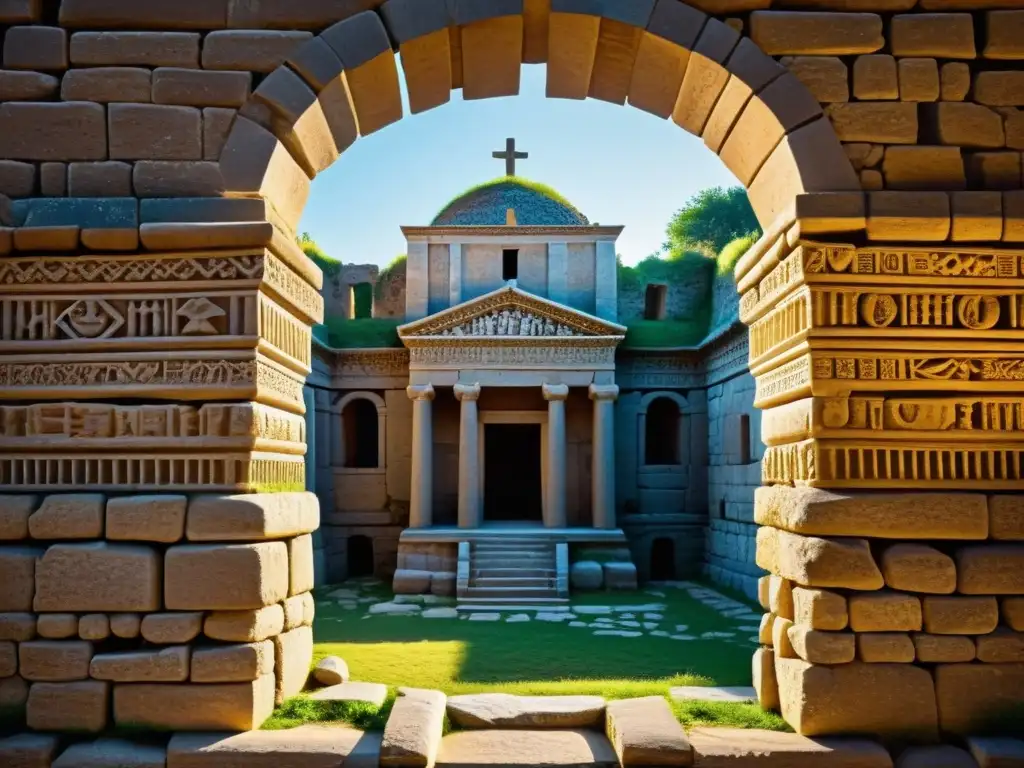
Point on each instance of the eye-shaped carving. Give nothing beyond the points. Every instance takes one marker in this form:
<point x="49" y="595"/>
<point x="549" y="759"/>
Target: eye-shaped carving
<point x="90" y="319"/>
<point x="878" y="311"/>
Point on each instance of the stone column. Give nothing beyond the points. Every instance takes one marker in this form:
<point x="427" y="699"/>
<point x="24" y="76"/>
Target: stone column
<point x="469" y="456"/>
<point x="421" y="491"/>
<point x="603" y="468"/>
<point x="556" y="395"/>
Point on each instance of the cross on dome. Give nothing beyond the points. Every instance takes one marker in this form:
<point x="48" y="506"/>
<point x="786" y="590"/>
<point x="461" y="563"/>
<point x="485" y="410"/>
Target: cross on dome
<point x="510" y="156"/>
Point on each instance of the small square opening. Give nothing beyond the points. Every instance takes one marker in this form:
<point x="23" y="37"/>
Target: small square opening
<point x="654" y="302"/>
<point x="510" y="264"/>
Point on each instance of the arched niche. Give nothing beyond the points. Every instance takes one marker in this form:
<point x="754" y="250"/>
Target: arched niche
<point x="362" y="421"/>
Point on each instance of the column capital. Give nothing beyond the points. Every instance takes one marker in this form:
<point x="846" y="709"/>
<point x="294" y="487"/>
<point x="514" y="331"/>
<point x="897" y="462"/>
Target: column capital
<point x="555" y="392"/>
<point x="420" y="392"/>
<point x="467" y="392"/>
<point x="604" y="392"/>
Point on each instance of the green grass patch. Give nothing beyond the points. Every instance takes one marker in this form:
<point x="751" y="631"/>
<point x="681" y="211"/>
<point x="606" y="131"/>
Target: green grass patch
<point x="720" y="714"/>
<point x="727" y="258"/>
<point x="302" y="710"/>
<point x="664" y="333"/>
<point x="366" y="333"/>
<point x="542" y="189"/>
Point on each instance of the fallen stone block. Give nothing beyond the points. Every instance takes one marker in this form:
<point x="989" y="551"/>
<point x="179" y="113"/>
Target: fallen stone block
<point x="146" y="518"/>
<point x="644" y="732"/>
<point x="413" y="732"/>
<point x="17" y="627"/>
<point x="885" y="612"/>
<point x="252" y="516"/>
<point x="997" y="752"/>
<point x="240" y="663"/>
<point x="1001" y="647"/>
<point x="818" y="512"/>
<point x="728" y="747"/>
<point x="98" y="577"/>
<point x="978" y="698"/>
<point x="112" y="753"/>
<point x="78" y="706"/>
<point x="993" y="569"/>
<point x="14" y="515"/>
<point x="225" y="576"/>
<point x="308" y="745"/>
<point x="885" y="648"/>
<point x="620" y="576"/>
<point x="919" y="568"/>
<point x="531" y="747"/>
<point x="957" y="615"/>
<point x="820" y="609"/>
<point x="245" y="626"/>
<point x="94" y="626"/>
<point x="171" y="628"/>
<point x="503" y="710"/>
<point x="18" y="575"/>
<point x="54" y="660"/>
<point x="28" y="750"/>
<point x="372" y="693"/>
<point x="165" y="665"/>
<point x="934" y="649"/>
<point x="894" y="700"/>
<point x="586" y="574"/>
<point x="185" y="707"/>
<point x="819" y="647"/>
<point x="293" y="656"/>
<point x="331" y="670"/>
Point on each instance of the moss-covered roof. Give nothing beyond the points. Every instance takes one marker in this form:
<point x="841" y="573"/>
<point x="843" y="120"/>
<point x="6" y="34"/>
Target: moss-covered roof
<point x="536" y="205"/>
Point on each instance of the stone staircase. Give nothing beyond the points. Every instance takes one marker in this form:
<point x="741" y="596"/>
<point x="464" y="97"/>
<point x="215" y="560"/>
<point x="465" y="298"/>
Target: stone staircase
<point x="497" y="574"/>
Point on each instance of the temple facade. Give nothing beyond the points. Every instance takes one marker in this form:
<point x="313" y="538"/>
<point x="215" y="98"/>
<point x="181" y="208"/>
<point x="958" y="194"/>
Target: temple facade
<point x="514" y="443"/>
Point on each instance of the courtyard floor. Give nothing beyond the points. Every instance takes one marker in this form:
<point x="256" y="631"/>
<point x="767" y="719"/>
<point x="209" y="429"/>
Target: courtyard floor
<point x="612" y="644"/>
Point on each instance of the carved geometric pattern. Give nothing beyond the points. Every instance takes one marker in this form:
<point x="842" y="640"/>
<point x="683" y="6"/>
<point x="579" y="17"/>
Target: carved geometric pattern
<point x="90" y="319"/>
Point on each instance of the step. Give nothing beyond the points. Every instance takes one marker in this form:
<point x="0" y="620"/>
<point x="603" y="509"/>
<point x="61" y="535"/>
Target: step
<point x="518" y="573"/>
<point x="512" y="581"/>
<point x="521" y="747"/>
<point x="556" y="604"/>
<point x="513" y="543"/>
<point x="514" y="592"/>
<point x="517" y="552"/>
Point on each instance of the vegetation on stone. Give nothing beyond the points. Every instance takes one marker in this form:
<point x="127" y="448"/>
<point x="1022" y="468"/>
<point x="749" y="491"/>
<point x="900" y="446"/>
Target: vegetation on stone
<point x="487" y="204"/>
<point x="302" y="710"/>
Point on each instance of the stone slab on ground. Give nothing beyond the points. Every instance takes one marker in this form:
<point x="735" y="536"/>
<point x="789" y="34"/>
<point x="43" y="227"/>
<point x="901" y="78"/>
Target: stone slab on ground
<point x="331" y="670"/>
<point x="309" y="746"/>
<point x="526" y="748"/>
<point x="738" y="694"/>
<point x="502" y="710"/>
<point x="414" y="729"/>
<point x="644" y="732"/>
<point x="374" y="693"/>
<point x="733" y="747"/>
<point x="112" y="753"/>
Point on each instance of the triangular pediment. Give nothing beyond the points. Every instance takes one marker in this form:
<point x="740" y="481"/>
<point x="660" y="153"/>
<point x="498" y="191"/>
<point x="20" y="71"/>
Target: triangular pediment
<point x="511" y="313"/>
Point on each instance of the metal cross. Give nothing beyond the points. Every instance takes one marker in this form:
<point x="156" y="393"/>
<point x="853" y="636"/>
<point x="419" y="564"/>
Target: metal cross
<point x="510" y="156"/>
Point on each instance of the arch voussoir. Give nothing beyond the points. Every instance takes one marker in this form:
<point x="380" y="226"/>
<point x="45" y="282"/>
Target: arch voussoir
<point x="662" y="57"/>
<point x="705" y="77"/>
<point x="423" y="30"/>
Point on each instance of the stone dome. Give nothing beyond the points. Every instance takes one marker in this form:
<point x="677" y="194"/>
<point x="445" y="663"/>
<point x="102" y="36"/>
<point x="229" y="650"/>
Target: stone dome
<point x="487" y="205"/>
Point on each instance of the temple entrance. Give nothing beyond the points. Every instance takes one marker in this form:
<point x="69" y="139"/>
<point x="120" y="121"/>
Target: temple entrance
<point x="512" y="473"/>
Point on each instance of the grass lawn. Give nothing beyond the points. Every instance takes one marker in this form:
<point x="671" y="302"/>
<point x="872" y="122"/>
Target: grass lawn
<point x="460" y="656"/>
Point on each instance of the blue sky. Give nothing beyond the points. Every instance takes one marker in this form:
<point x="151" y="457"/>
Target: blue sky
<point x="617" y="165"/>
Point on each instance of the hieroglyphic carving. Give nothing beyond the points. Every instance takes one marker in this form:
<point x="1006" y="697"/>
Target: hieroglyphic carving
<point x="48" y="273"/>
<point x="868" y="367"/>
<point x="293" y="289"/>
<point x="918" y="309"/>
<point x="785" y="382"/>
<point x="963" y="262"/>
<point x="158" y="472"/>
<point x="649" y="370"/>
<point x="285" y="332"/>
<point x="455" y="356"/>
<point x="782" y="328"/>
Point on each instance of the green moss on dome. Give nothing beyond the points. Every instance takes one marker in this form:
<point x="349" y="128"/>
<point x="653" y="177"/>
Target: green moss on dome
<point x="487" y="203"/>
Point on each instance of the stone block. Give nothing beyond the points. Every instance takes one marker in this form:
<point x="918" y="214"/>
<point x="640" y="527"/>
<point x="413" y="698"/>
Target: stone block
<point x="780" y="639"/>
<point x="98" y="577"/>
<point x="1013" y="612"/>
<point x="826" y="77"/>
<point x="155" y="14"/>
<point x="619" y="575"/>
<point x="27" y="86"/>
<point x="54" y="660"/>
<point x="53" y="179"/>
<point x="943" y="756"/>
<point x="724" y="747"/>
<point x="976" y="698"/>
<point x="897" y="700"/>
<point x="137" y="49"/>
<point x="820" y="647"/>
<point x="994" y="170"/>
<point x="965" y="124"/>
<point x="53" y="131"/>
<point x="885" y="612"/>
<point x="959" y="615"/>
<point x="995" y="569"/>
<point x="68" y="516"/>
<point x="881" y="122"/>
<point x="491" y="52"/>
<point x="885" y="647"/>
<point x="371" y="693"/>
<point x="644" y="732"/>
<point x="331" y="670"/>
<point x="923" y="167"/>
<point x="13" y="694"/>
<point x="914" y="216"/>
<point x="107" y="84"/>
<point x="586" y="575"/>
<point x="765" y="631"/>
<point x="410" y="582"/>
<point x="780" y="597"/>
<point x="1005" y="30"/>
<point x="294" y="610"/>
<point x="918" y="568"/>
<point x="200" y="88"/>
<point x="245" y="626"/>
<point x="109" y="179"/>
<point x="313" y="745"/>
<point x="17" y="626"/>
<point x="997" y="752"/>
<point x="155" y="132"/>
<point x="250" y="50"/>
<point x="318" y="64"/>
<point x="146" y="518"/>
<point x="225" y="576"/>
<point x="897" y="516"/>
<point x="252" y="517"/>
<point x="28" y="750"/>
<point x="818" y="562"/>
<point x="413" y="732"/>
<point x="57" y="626"/>
<point x="239" y="663"/>
<point x="94" y="626"/>
<point x="300" y="565"/>
<point x="217" y="124"/>
<point x="164" y="665"/>
<point x="764" y="682"/>
<point x="16" y="180"/>
<point x="1002" y="646"/>
<point x="159" y="178"/>
<point x="933" y="649"/>
<point x="999" y="88"/>
<point x="945" y="35"/>
<point x="1006" y="517"/>
<point x="918" y="79"/>
<point x="171" y="628"/>
<point x="79" y="706"/>
<point x="954" y="81"/>
<point x="502" y="710"/>
<point x="20" y="11"/>
<point x="874" y="77"/>
<point x="8" y="659"/>
<point x="185" y="707"/>
<point x="126" y="625"/>
<point x="293" y="656"/>
<point x="977" y="216"/>
<point x="14" y="514"/>
<point x="48" y="238"/>
<point x="17" y="574"/>
<point x="816" y="33"/>
<point x="107" y="753"/>
<point x="38" y="48"/>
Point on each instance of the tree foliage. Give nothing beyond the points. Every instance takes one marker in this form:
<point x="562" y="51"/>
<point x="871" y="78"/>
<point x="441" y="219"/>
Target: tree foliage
<point x="312" y="249"/>
<point x="709" y="221"/>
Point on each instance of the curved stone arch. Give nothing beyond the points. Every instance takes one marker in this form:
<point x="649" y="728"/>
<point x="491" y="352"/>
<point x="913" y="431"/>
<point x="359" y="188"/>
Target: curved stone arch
<point x="382" y="413"/>
<point x="681" y="402"/>
<point x="682" y="449"/>
<point x="679" y="64"/>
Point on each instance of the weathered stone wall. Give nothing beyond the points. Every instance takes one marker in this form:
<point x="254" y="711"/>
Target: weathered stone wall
<point x="338" y="285"/>
<point x="157" y="611"/>
<point x="684" y="298"/>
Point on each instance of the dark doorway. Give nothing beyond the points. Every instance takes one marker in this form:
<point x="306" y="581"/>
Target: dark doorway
<point x="663" y="560"/>
<point x="509" y="265"/>
<point x="512" y="484"/>
<point x="655" y="300"/>
<point x="361" y="435"/>
<point x="661" y="446"/>
<point x="360" y="556"/>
